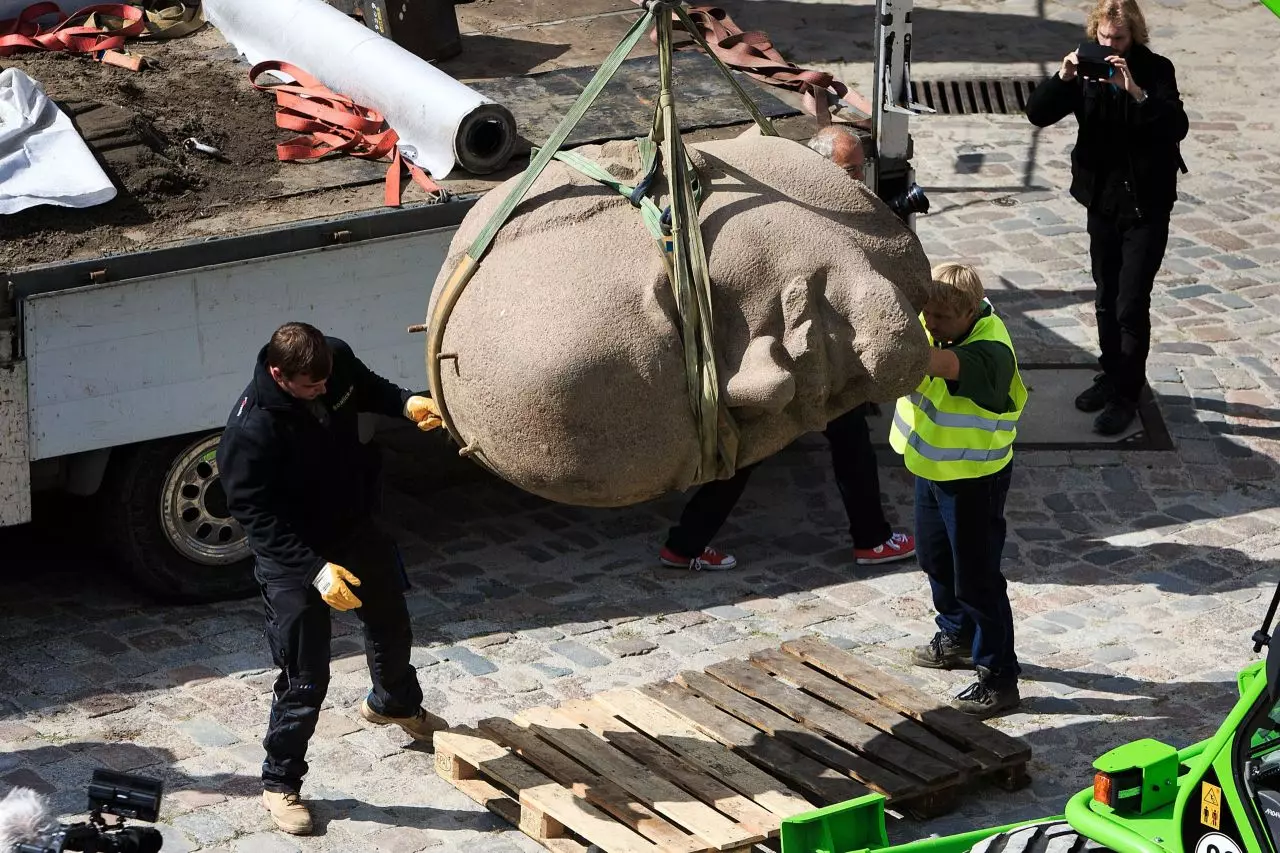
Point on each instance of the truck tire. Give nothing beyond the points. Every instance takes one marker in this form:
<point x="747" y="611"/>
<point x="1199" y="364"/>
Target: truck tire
<point x="1054" y="836"/>
<point x="168" y="524"/>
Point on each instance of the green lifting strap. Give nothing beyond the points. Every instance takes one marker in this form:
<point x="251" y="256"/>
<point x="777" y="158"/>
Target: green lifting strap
<point x="685" y="254"/>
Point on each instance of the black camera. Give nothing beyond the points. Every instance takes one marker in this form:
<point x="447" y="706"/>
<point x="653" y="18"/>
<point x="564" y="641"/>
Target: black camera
<point x="1091" y="61"/>
<point x="909" y="201"/>
<point x="119" y="794"/>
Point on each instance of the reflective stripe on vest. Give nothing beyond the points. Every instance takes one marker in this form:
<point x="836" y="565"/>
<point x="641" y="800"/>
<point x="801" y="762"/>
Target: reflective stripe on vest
<point x="948" y="454"/>
<point x="942" y="437"/>
<point x="949" y="419"/>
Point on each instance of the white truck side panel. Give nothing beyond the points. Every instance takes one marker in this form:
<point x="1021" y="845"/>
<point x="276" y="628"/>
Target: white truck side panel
<point x="165" y="355"/>
<point x="15" y="470"/>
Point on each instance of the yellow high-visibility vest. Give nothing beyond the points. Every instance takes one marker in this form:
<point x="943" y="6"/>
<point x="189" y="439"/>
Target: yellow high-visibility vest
<point x="944" y="437"/>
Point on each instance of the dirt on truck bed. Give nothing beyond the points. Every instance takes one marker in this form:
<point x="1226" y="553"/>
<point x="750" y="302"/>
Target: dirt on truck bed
<point x="136" y="123"/>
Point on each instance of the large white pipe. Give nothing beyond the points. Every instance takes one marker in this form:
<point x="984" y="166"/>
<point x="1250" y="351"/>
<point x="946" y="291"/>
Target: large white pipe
<point x="438" y="119"/>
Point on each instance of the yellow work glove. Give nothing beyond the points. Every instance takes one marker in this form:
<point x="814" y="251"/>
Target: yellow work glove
<point x="334" y="584"/>
<point x="423" y="412"/>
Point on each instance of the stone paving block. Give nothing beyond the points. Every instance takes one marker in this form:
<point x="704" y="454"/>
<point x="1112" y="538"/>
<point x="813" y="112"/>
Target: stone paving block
<point x="579" y="654"/>
<point x="471" y="662"/>
<point x="1065" y="619"/>
<point x="204" y="827"/>
<point x="681" y="644"/>
<point x="580" y="628"/>
<point x="402" y="839"/>
<point x="631" y="647"/>
<point x="266" y="842"/>
<point x="543" y="635"/>
<point x="206" y="732"/>
<point x="727" y="611"/>
<point x="551" y="670"/>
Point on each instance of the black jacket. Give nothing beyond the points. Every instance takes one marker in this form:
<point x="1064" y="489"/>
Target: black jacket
<point x="294" y="482"/>
<point x="1126" y="153"/>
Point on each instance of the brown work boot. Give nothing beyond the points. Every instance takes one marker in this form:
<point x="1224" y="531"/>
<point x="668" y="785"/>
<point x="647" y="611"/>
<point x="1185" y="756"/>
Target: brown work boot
<point x="288" y="811"/>
<point x="421" y="726"/>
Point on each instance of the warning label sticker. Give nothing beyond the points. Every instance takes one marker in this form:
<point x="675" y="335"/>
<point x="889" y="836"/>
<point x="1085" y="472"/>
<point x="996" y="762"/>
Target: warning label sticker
<point x="1210" y="805"/>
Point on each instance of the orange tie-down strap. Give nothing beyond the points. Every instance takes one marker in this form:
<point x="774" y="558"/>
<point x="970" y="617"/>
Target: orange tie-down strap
<point x="335" y="124"/>
<point x="79" y="32"/>
<point x="753" y="54"/>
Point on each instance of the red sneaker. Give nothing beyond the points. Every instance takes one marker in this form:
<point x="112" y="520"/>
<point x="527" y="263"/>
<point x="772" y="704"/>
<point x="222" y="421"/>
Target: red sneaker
<point x="710" y="561"/>
<point x="899" y="547"/>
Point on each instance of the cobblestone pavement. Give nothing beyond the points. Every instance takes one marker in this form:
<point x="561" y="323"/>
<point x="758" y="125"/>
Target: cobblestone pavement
<point x="1136" y="578"/>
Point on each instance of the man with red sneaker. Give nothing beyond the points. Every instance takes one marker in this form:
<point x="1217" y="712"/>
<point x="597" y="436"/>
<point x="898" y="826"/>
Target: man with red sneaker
<point x="852" y="456"/>
<point x="854" y="461"/>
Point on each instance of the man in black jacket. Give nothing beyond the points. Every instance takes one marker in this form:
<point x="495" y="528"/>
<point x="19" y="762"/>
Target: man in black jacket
<point x="302" y="486"/>
<point x="1124" y="170"/>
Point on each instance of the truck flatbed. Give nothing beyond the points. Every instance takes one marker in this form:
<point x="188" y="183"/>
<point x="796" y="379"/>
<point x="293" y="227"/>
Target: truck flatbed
<point x="528" y="56"/>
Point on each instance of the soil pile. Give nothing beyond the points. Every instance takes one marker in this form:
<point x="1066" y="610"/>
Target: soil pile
<point x="137" y="124"/>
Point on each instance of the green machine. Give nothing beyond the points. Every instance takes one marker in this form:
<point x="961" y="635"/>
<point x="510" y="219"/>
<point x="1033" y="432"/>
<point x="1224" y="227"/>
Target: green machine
<point x="1221" y="795"/>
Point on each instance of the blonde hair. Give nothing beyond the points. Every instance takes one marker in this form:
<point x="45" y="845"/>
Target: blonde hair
<point x="957" y="287"/>
<point x="1121" y="12"/>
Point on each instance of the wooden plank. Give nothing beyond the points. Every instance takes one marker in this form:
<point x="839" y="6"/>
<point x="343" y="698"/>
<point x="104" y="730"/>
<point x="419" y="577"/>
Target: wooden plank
<point x="920" y="706"/>
<point x="802" y="707"/>
<point x="669" y="729"/>
<point x="868" y="710"/>
<point x="713" y="828"/>
<point x="539" y="794"/>
<point x="592" y="787"/>
<point x="496" y="800"/>
<point x="798" y="769"/>
<point x="786" y="729"/>
<point x="689" y="776"/>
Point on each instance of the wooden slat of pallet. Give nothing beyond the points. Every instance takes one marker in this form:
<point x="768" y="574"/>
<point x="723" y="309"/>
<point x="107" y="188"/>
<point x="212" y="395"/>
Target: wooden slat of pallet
<point x="592" y="787"/>
<point x="714" y="829"/>
<point x="668" y="728"/>
<point x="781" y="760"/>
<point x="546" y="808"/>
<point x="803" y="708"/>
<point x="869" y="711"/>
<point x="786" y="729"/>
<point x="941" y="718"/>
<point x="710" y="790"/>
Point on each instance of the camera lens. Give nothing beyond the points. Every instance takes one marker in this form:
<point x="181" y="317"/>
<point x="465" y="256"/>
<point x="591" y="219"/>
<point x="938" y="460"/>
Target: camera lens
<point x="912" y="200"/>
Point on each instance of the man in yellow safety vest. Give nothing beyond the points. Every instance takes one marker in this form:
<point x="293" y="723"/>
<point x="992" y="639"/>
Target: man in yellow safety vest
<point x="955" y="433"/>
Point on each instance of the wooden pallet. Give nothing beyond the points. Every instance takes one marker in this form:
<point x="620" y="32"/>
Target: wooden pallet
<point x="715" y="760"/>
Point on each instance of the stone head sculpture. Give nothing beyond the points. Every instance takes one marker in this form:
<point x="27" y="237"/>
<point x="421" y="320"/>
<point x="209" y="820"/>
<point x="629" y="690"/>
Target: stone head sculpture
<point x="568" y="372"/>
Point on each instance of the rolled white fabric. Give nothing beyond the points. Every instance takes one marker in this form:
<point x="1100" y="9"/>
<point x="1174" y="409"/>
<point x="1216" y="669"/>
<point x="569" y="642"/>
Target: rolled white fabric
<point x="43" y="160"/>
<point x="439" y="120"/>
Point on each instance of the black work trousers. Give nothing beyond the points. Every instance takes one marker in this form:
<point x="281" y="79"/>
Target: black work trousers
<point x="960" y="533"/>
<point x="1126" y="254"/>
<point x="298" y="630"/>
<point x="853" y="460"/>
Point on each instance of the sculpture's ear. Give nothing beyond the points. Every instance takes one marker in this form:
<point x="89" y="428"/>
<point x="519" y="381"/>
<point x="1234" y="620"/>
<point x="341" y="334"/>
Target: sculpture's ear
<point x="765" y="378"/>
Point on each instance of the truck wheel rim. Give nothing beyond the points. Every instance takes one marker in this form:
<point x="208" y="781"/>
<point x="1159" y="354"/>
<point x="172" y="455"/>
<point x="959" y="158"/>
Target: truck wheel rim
<point x="193" y="509"/>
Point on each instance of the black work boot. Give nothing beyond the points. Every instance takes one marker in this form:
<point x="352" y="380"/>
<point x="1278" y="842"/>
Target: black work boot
<point x="987" y="697"/>
<point x="944" y="651"/>
<point x="1093" y="398"/>
<point x="1116" y="417"/>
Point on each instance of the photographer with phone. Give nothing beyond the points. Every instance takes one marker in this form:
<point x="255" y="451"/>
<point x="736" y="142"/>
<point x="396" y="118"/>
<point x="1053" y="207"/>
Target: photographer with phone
<point x="1124" y="171"/>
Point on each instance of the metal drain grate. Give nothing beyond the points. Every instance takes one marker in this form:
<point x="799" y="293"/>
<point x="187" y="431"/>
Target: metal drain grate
<point x="964" y="97"/>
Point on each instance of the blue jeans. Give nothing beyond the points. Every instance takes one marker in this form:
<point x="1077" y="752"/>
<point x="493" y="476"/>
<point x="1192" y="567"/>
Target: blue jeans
<point x="960" y="531"/>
